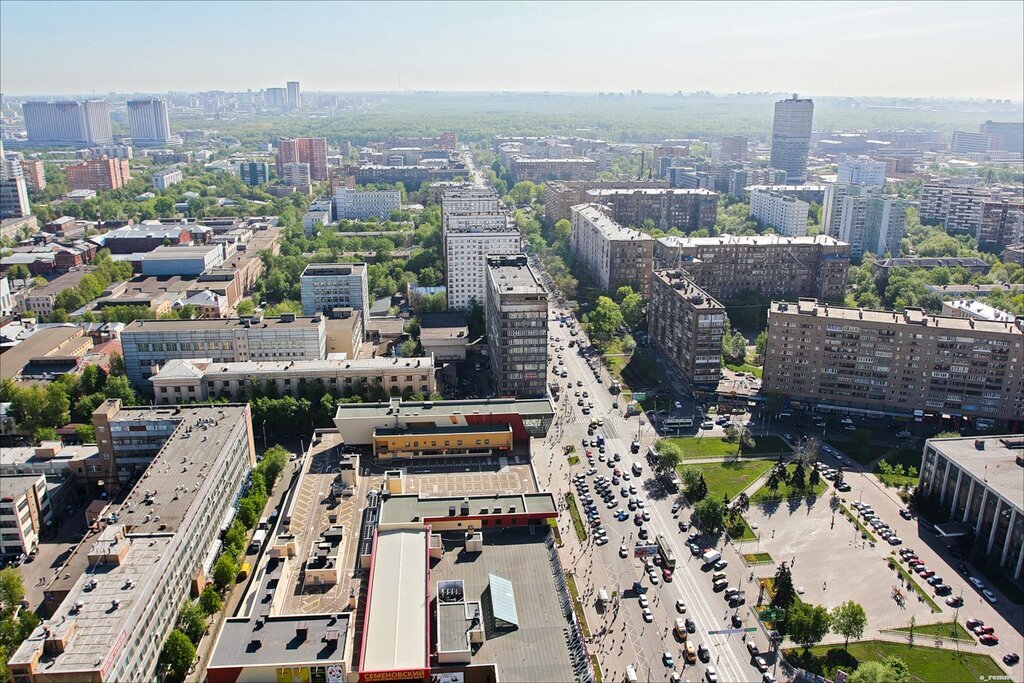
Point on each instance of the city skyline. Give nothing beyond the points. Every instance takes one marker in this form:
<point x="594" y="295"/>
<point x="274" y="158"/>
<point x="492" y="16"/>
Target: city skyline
<point x="884" y="49"/>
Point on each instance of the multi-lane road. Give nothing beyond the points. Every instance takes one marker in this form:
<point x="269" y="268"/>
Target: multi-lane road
<point x="728" y="653"/>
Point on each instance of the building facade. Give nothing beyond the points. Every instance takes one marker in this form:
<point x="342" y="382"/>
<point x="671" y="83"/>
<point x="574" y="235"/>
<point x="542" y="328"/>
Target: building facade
<point x="733" y="148"/>
<point x="24" y="513"/>
<point x="294" y="95"/>
<point x="362" y="205"/>
<point x="254" y="173"/>
<point x="1002" y="224"/>
<point x="686" y="324"/>
<point x="791" y="137"/>
<point x="611" y="254"/>
<point x="517" y="327"/>
<point x="149" y="343"/>
<point x="864" y="218"/>
<point x="326" y="286"/>
<point x="98" y="174"/>
<point x="741" y="179"/>
<point x="786" y="214"/>
<point x="727" y="266"/>
<point x="68" y="122"/>
<point x="685" y="209"/>
<point x="976" y="481"/>
<point x="296" y="174"/>
<point x="34" y="173"/>
<point x="907" y="364"/>
<point x="14" y="198"/>
<point x="468" y="242"/>
<point x="1009" y="134"/>
<point x="862" y="171"/>
<point x="540" y="170"/>
<point x="164" y="179"/>
<point x="969" y="142"/>
<point x="148" y="121"/>
<point x="958" y="208"/>
<point x="561" y="196"/>
<point x="312" y="151"/>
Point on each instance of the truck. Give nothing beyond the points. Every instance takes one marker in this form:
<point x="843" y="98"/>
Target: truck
<point x="711" y="556"/>
<point x="257" y="540"/>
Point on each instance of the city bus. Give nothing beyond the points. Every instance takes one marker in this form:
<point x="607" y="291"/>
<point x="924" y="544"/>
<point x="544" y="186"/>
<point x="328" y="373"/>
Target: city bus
<point x="668" y="558"/>
<point x="677" y="423"/>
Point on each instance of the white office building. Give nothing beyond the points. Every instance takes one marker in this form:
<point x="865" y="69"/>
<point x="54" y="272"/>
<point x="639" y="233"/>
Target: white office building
<point x="786" y="214"/>
<point x="296" y="174"/>
<point x="164" y="179"/>
<point x="863" y="217"/>
<point x="467" y="246"/>
<point x="68" y="122"/>
<point x="356" y="205"/>
<point x="862" y="171"/>
<point x="326" y="286"/>
<point x="149" y="122"/>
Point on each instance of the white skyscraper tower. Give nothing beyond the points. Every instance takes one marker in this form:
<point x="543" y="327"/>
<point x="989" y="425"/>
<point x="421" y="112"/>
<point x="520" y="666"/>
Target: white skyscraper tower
<point x="68" y="122"/>
<point x="149" y="123"/>
<point x="294" y="95"/>
<point x="791" y="137"/>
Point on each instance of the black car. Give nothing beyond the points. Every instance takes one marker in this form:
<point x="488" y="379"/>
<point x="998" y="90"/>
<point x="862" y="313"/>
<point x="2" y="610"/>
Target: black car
<point x="703" y="653"/>
<point x="962" y="568"/>
<point x="691" y="626"/>
<point x="1011" y="659"/>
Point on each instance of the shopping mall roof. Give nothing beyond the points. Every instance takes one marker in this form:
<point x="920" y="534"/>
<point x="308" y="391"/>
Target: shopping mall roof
<point x="540" y="407"/>
<point x="998" y="461"/>
<point x="413" y="508"/>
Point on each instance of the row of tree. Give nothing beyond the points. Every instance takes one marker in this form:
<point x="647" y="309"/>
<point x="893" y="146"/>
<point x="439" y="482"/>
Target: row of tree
<point x="16" y="621"/>
<point x="808" y="624"/>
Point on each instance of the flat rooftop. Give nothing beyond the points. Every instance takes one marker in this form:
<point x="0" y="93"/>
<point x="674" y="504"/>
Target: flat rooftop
<point x="513" y="276"/>
<point x="409" y="508"/>
<point x="911" y="316"/>
<point x="527" y="407"/>
<point x="652" y="191"/>
<point x="327" y="269"/>
<point x="206" y="324"/>
<point x="50" y="341"/>
<point x="536" y="650"/>
<point x="996" y="464"/>
<point x="686" y="288"/>
<point x="749" y="241"/>
<point x="395" y="624"/>
<point x="441" y="326"/>
<point x="608" y="228"/>
<point x="14" y="485"/>
<point x="199" y="368"/>
<point x="16" y="458"/>
<point x="171" y="253"/>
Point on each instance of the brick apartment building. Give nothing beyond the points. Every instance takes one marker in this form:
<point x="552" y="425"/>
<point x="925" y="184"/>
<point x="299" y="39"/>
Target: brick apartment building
<point x="612" y="255"/>
<point x="686" y="324"/>
<point x="98" y="174"/>
<point x="312" y="151"/>
<point x="685" y="209"/>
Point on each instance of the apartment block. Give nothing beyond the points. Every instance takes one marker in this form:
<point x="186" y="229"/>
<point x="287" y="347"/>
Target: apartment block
<point x="110" y="619"/>
<point x="1009" y="134"/>
<point x="976" y="482"/>
<point x="864" y="218"/>
<point x="326" y="286"/>
<point x="561" y="196"/>
<point x="786" y="214"/>
<point x="254" y="173"/>
<point x="611" y="255"/>
<point x="312" y="151"/>
<point x="149" y="343"/>
<point x="686" y="324"/>
<point x="362" y="205"/>
<point x="791" y="137"/>
<point x="296" y="174"/>
<point x="411" y="176"/>
<point x="24" y="513"/>
<point x="772" y="265"/>
<point x="468" y="243"/>
<point x="905" y="364"/>
<point x="1002" y="224"/>
<point x="741" y="179"/>
<point x="685" y="209"/>
<point x="145" y="236"/>
<point x="733" y="148"/>
<point x="862" y="171"/>
<point x="164" y="179"/>
<point x="34" y="174"/>
<point x="517" y="327"/>
<point x="148" y="121"/>
<point x="294" y="95"/>
<point x="67" y="122"/>
<point x="14" y="198"/>
<point x="541" y="170"/>
<point x="98" y="174"/>
<point x="199" y="379"/>
<point x="958" y="208"/>
<point x="967" y="142"/>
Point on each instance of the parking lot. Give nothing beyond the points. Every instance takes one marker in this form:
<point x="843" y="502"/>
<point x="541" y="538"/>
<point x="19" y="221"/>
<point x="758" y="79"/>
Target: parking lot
<point x="475" y="482"/>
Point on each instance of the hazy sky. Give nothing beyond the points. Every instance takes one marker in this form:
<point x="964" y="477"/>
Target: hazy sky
<point x="950" y="49"/>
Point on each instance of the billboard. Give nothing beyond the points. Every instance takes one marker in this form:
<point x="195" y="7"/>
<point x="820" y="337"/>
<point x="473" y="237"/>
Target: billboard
<point x="645" y="550"/>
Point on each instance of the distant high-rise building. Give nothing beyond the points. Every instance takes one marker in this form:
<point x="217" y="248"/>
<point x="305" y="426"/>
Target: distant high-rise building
<point x="968" y="142"/>
<point x="254" y="173"/>
<point x="68" y="122"/>
<point x="294" y="95"/>
<point x="296" y="174"/>
<point x="33" y="172"/>
<point x="791" y="137"/>
<point x="14" y="198"/>
<point x="148" y="121"/>
<point x="734" y="148"/>
<point x="864" y="218"/>
<point x="1009" y="134"/>
<point x="276" y="98"/>
<point x="312" y="151"/>
<point x="98" y="174"/>
<point x="862" y="171"/>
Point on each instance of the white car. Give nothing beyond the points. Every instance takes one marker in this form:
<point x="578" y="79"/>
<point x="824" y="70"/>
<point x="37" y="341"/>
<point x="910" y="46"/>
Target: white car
<point x="643" y="601"/>
<point x="648" y="615"/>
<point x="623" y="551"/>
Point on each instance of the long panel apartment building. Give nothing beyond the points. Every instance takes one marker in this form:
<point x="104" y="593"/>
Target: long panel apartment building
<point x="772" y="265"/>
<point x="561" y="196"/>
<point x="199" y="379"/>
<point x="786" y="214"/>
<point x="68" y="122"/>
<point x="110" y="623"/>
<point x="517" y="327"/>
<point x="687" y="324"/>
<point x="312" y="151"/>
<point x="906" y="364"/>
<point x="612" y="255"/>
<point x="863" y="217"/>
<point x="474" y="226"/>
<point x="150" y="343"/>
<point x="685" y="209"/>
<point x="356" y="205"/>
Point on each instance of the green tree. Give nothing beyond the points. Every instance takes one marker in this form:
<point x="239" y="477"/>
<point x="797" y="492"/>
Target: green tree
<point x="409" y="348"/>
<point x="785" y="594"/>
<point x="225" y="569"/>
<point x="210" y="601"/>
<point x="192" y="621"/>
<point x="689" y="475"/>
<point x="19" y="271"/>
<point x="246" y="307"/>
<point x="761" y="343"/>
<point x="178" y="654"/>
<point x="711" y="513"/>
<point x="798" y="481"/>
<point x="274" y="461"/>
<point x="86" y="433"/>
<point x="117" y="386"/>
<point x="633" y="313"/>
<point x="669" y="454"/>
<point x="12" y="590"/>
<point x="605" y="320"/>
<point x="880" y="672"/>
<point x="849" y="620"/>
<point x="249" y="510"/>
<point x="807" y="624"/>
<point x="234" y="538"/>
<point x="116" y="365"/>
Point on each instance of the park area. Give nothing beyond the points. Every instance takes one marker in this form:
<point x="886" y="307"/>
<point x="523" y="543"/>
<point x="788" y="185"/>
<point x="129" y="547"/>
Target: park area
<point x="926" y="664"/>
<point x="730" y="477"/>
<point x="787" y="490"/>
<point x="718" y="447"/>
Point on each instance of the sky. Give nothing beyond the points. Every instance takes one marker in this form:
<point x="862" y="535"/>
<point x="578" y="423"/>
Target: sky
<point x="909" y="49"/>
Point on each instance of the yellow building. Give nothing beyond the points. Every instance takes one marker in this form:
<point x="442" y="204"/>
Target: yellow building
<point x="431" y="442"/>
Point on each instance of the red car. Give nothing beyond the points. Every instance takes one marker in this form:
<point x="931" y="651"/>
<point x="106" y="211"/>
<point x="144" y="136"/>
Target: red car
<point x="927" y="574"/>
<point x="984" y="630"/>
<point x="989" y="639"/>
<point x="666" y="574"/>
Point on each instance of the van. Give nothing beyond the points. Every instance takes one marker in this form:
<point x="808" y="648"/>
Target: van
<point x="680" y="628"/>
<point x="637" y="469"/>
<point x="631" y="674"/>
<point x="720" y="585"/>
<point x="690" y="652"/>
<point x="243" y="572"/>
<point x="717" y="576"/>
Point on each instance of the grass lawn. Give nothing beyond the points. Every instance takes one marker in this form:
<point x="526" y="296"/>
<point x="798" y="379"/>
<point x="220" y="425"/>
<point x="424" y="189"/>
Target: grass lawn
<point x="577" y="521"/>
<point x="758" y="558"/>
<point x="597" y="669"/>
<point x="784" y="491"/>
<point x="745" y="367"/>
<point x="553" y="523"/>
<point x="905" y="575"/>
<point x="943" y="630"/>
<point x="731" y="477"/>
<point x="577" y="606"/>
<point x="717" y="447"/>
<point x="574" y="460"/>
<point x="929" y="664"/>
<point x="739" y="530"/>
<point x="908" y="457"/>
<point x="853" y="448"/>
